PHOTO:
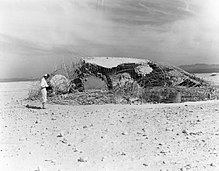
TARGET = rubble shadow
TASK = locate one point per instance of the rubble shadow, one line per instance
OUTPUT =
(32, 107)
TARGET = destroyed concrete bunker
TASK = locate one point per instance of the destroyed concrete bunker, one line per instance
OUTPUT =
(128, 80)
(115, 71)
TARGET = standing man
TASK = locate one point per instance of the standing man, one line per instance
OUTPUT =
(43, 86)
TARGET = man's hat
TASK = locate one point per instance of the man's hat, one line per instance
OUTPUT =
(46, 75)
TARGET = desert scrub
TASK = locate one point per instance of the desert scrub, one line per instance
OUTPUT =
(69, 71)
(34, 92)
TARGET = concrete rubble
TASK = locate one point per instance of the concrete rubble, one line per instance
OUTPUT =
(104, 80)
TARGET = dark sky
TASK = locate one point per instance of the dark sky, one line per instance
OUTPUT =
(36, 36)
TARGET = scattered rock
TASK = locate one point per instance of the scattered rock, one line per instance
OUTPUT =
(41, 169)
(82, 159)
(124, 133)
(103, 158)
(75, 149)
(123, 154)
(22, 139)
(60, 135)
(162, 152)
(64, 141)
(212, 165)
(52, 161)
(188, 166)
(144, 164)
(184, 132)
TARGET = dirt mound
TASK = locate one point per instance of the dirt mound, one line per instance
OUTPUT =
(129, 80)
(84, 98)
(148, 95)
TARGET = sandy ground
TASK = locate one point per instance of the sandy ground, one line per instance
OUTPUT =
(109, 137)
(212, 79)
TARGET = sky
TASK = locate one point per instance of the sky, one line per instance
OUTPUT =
(36, 36)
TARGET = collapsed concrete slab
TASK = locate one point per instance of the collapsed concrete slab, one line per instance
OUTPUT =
(131, 80)
(119, 71)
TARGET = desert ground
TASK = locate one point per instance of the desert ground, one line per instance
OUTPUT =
(212, 79)
(151, 137)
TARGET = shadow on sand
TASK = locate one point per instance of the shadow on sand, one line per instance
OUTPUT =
(32, 107)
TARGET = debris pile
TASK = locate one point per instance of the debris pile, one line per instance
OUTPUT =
(60, 84)
(147, 95)
(123, 83)
(84, 98)
(129, 80)
(146, 73)
(169, 94)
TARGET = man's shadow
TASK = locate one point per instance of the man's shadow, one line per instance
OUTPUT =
(32, 107)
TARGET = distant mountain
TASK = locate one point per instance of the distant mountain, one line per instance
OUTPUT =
(200, 68)
(16, 79)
